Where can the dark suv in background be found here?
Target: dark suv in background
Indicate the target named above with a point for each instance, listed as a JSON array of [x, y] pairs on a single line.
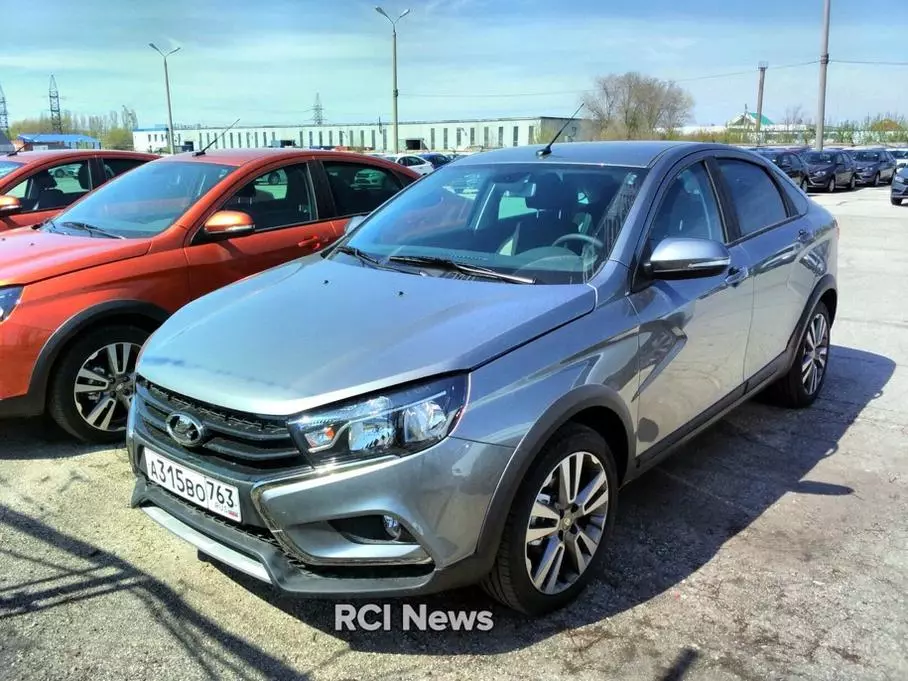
[[789, 163], [830, 169], [875, 166]]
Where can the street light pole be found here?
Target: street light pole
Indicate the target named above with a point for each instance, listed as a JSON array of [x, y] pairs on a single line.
[[167, 88], [394, 71], [824, 65]]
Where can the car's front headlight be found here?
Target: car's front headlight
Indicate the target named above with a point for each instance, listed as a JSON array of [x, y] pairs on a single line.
[[398, 422], [9, 296]]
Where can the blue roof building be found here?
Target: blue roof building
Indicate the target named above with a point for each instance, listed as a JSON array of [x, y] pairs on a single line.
[[47, 140]]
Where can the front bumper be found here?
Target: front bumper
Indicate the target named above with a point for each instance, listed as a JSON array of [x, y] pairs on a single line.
[[865, 178], [818, 182], [291, 534]]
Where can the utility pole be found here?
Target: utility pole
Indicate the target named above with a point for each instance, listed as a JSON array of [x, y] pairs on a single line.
[[762, 68], [167, 88], [56, 120], [824, 64], [394, 69]]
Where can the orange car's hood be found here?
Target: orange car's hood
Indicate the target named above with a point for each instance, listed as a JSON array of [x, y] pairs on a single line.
[[27, 255]]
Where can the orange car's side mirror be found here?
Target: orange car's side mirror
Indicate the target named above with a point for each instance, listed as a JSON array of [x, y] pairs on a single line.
[[228, 224], [9, 205]]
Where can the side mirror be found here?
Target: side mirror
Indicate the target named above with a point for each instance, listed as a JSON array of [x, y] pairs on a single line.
[[353, 222], [9, 205], [228, 224], [685, 258]]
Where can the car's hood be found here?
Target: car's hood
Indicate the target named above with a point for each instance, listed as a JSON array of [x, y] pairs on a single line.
[[316, 331], [867, 165], [820, 167], [28, 255]]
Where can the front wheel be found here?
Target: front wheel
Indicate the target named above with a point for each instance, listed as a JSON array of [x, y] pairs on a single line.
[[560, 520], [876, 180], [895, 201], [853, 183], [94, 382], [804, 186], [831, 186]]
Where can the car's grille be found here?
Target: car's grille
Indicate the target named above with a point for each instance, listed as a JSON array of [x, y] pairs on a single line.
[[256, 441]]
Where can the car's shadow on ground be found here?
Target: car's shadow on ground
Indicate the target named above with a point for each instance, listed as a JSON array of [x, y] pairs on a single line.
[[40, 438], [670, 522]]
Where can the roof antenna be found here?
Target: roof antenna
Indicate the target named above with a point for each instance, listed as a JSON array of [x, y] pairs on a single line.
[[201, 152], [547, 149]]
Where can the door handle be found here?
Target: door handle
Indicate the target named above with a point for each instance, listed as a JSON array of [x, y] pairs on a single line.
[[309, 242], [736, 275]]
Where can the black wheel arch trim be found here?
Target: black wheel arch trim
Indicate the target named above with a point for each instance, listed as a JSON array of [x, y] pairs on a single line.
[[826, 284], [37, 389], [528, 450]]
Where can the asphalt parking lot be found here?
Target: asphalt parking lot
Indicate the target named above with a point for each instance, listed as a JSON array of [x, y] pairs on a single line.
[[775, 546]]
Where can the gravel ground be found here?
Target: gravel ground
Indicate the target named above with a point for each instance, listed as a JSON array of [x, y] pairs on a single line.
[[775, 546]]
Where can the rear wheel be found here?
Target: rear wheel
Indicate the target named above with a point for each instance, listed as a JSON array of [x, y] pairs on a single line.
[[804, 380], [94, 382], [558, 524]]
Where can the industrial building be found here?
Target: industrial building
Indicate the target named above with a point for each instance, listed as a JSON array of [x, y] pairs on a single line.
[[448, 135], [50, 140]]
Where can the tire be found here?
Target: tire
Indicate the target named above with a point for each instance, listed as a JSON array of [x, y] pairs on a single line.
[[853, 183], [895, 201], [790, 390], [509, 582], [804, 186], [876, 180], [831, 186], [73, 411]]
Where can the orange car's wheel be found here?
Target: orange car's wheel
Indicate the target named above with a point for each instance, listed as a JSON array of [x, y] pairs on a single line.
[[94, 381]]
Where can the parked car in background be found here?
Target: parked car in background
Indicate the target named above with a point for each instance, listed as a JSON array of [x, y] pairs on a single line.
[[437, 160], [35, 185], [899, 189], [900, 156], [830, 169], [874, 166], [415, 163], [790, 164], [80, 294], [506, 368]]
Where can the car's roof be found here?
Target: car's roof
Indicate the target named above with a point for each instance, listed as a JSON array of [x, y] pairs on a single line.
[[239, 157], [43, 155], [639, 154]]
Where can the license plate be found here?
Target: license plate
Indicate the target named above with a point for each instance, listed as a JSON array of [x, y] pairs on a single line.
[[195, 487]]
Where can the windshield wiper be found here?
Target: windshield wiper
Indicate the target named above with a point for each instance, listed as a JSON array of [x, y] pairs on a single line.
[[453, 265], [365, 257], [85, 227]]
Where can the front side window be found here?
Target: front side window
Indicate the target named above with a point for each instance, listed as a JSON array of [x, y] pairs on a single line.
[[689, 209], [53, 188], [277, 198], [146, 201], [359, 188], [555, 224], [755, 197]]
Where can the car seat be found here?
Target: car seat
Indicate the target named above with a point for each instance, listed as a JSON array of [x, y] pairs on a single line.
[[554, 203], [43, 191]]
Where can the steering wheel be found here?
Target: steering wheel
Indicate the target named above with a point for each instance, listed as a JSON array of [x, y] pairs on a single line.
[[580, 237]]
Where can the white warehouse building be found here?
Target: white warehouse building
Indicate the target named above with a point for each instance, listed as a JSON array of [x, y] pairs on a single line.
[[451, 135]]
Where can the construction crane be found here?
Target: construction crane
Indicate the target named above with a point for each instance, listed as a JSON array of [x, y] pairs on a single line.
[[4, 115], [53, 95]]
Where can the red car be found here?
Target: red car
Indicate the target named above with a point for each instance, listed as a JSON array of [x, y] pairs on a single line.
[[36, 185], [80, 293]]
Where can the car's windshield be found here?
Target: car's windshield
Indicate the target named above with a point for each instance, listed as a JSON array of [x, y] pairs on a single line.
[[900, 153], [6, 167], [147, 200], [771, 155], [818, 157], [867, 156], [555, 224]]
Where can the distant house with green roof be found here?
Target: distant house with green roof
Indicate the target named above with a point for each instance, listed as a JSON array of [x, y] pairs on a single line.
[[748, 119]]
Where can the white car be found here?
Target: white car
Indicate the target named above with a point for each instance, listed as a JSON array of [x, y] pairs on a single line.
[[413, 162], [900, 156]]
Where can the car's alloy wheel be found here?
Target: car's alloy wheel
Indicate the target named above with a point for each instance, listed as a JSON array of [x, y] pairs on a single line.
[[853, 183], [815, 354], [558, 523], [566, 523], [876, 180], [831, 186], [94, 381], [105, 385]]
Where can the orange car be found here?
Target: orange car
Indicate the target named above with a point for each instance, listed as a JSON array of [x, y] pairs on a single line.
[[36, 185], [80, 294]]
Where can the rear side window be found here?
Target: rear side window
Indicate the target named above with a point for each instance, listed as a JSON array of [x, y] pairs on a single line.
[[118, 166], [359, 188], [757, 201]]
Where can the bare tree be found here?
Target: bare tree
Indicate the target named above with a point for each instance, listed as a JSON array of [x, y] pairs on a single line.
[[634, 106], [794, 115]]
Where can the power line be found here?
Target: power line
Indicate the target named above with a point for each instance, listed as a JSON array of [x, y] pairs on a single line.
[[591, 90], [870, 63]]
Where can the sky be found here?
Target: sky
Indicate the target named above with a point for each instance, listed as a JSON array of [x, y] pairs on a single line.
[[264, 62]]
